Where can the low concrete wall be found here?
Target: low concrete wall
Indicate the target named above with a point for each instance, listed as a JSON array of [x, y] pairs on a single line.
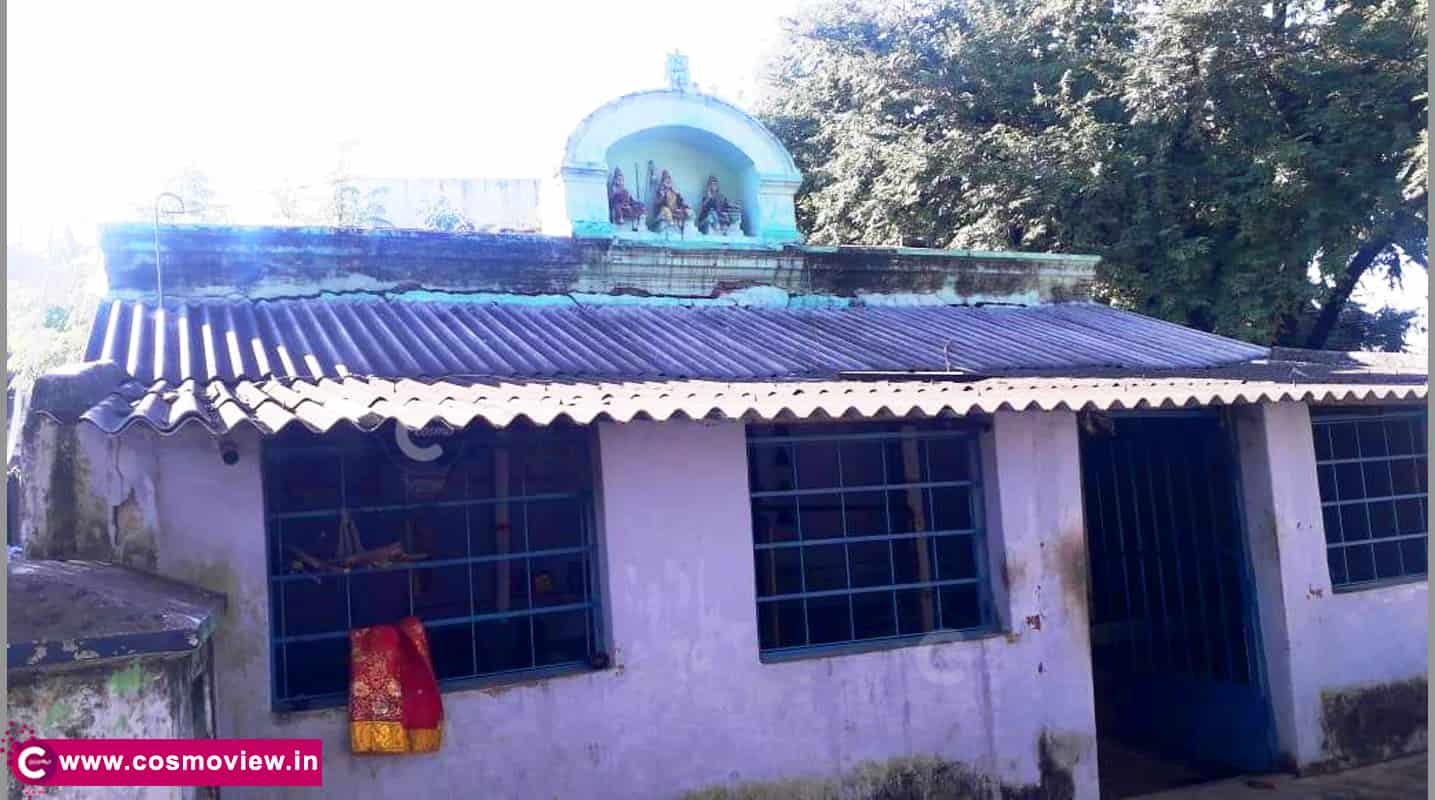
[[218, 261], [1347, 671], [687, 703]]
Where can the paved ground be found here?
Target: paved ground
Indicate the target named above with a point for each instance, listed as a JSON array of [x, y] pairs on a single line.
[[1127, 771], [1401, 779]]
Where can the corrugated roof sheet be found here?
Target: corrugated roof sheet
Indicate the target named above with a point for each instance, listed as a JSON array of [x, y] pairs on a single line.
[[274, 405], [320, 338]]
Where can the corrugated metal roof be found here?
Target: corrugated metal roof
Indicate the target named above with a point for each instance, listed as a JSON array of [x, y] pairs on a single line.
[[366, 403], [337, 338]]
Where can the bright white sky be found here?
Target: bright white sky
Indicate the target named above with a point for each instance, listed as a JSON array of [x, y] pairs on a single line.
[[107, 101]]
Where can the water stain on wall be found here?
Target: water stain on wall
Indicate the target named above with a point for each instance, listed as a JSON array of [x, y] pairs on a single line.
[[922, 778], [1366, 724]]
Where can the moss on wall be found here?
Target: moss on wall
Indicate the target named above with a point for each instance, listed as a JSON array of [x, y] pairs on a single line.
[[915, 778], [67, 520], [115, 698], [929, 778], [1365, 724], [71, 488], [125, 682]]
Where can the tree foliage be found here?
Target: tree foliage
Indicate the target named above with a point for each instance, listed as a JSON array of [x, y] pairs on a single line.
[[53, 292], [50, 305], [340, 200], [440, 215], [186, 197], [1239, 166]]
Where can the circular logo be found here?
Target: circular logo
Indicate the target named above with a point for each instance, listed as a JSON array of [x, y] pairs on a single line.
[[34, 762], [415, 451]]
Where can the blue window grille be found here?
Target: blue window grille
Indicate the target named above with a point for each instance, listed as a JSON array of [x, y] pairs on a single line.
[[1371, 464], [866, 534], [490, 544]]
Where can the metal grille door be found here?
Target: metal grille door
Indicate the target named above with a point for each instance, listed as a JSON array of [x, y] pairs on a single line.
[[1174, 641]]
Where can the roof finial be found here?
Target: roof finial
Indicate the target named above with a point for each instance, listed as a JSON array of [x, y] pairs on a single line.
[[678, 77]]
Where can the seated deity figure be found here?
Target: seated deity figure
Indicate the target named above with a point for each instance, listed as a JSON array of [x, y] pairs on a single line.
[[717, 213], [669, 208], [623, 209]]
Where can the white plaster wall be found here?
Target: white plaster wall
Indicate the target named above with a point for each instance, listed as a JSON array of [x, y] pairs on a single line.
[[1046, 683], [208, 528], [687, 702], [1315, 640]]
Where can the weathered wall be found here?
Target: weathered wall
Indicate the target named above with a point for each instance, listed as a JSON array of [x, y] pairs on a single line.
[[206, 261], [1347, 671], [687, 703], [86, 496], [117, 698]]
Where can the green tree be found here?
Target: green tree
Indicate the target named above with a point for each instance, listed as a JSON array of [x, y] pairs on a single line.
[[440, 215], [52, 293], [50, 306], [197, 201], [339, 200], [1239, 166]]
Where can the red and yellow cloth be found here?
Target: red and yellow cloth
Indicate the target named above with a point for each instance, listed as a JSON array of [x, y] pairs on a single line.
[[394, 704]]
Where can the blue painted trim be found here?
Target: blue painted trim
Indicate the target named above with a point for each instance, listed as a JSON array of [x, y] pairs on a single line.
[[866, 487], [1322, 425], [322, 513], [273, 455], [1256, 636], [1383, 583], [876, 537], [299, 705], [415, 566], [786, 654], [964, 436], [23, 655], [1328, 414], [446, 622]]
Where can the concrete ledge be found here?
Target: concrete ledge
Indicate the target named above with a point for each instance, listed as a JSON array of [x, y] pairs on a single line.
[[211, 261], [67, 392], [69, 612]]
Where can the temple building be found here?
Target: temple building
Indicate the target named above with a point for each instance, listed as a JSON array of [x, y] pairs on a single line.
[[684, 503]]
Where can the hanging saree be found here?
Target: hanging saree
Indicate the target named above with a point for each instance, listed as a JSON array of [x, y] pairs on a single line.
[[394, 702]]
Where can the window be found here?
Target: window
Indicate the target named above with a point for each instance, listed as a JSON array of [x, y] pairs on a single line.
[[1371, 467], [490, 544], [866, 533]]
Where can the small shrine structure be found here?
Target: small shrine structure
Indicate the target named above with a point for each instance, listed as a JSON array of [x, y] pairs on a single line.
[[678, 164]]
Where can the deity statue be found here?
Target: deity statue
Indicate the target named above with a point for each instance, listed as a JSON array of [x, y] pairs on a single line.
[[623, 209], [669, 208], [717, 212]]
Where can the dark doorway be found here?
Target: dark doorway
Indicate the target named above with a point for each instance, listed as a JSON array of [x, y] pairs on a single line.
[[1179, 685]]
